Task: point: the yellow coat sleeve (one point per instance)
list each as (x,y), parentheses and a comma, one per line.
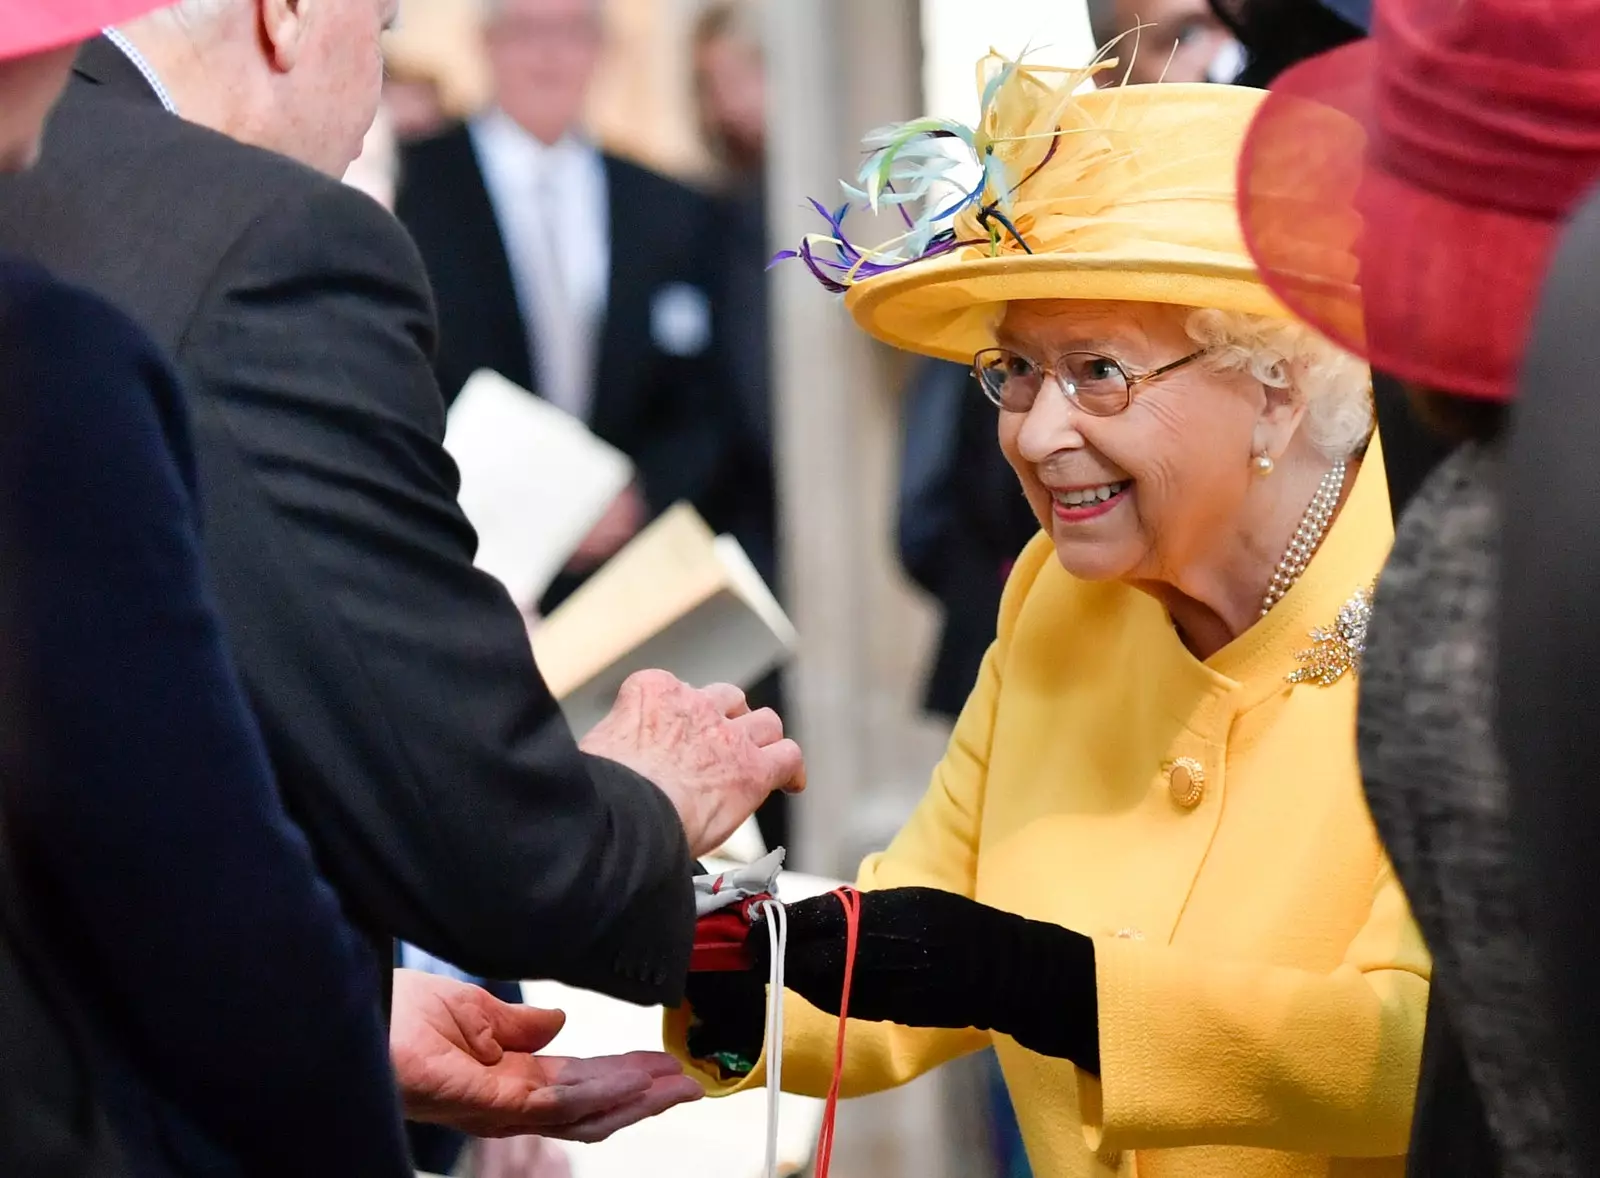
(1201,1051)
(937,848)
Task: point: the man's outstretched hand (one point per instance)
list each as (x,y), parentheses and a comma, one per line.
(467,1060)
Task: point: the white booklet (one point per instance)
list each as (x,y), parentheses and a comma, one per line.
(676,597)
(534,481)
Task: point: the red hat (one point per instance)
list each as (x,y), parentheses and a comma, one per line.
(33,26)
(1442,154)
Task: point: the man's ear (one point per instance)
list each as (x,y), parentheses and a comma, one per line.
(1281,415)
(283,31)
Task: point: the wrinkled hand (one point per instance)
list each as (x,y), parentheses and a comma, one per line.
(706,750)
(465,1059)
(621,523)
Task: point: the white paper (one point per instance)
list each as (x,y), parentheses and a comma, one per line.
(534,481)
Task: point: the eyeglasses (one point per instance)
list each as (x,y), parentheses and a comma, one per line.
(1096,384)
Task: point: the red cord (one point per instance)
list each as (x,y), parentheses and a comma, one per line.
(851,899)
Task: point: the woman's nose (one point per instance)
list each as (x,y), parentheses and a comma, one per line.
(1051,423)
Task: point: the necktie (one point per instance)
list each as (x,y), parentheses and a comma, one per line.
(560,327)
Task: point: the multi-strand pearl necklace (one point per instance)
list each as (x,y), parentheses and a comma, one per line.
(1307,537)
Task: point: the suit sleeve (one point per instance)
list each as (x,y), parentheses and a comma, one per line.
(937,848)
(1195,1051)
(144,814)
(413,733)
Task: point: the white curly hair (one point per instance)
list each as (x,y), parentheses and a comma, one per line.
(1335,386)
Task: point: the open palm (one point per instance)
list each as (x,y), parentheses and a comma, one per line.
(465,1059)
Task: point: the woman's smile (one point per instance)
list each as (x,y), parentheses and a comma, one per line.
(1075,504)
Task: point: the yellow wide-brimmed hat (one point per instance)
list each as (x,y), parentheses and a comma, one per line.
(1124,193)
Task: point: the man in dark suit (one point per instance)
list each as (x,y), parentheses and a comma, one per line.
(574,273)
(409,729)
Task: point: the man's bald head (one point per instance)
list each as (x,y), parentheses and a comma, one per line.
(299,77)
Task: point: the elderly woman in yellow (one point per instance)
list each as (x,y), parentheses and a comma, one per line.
(1144,870)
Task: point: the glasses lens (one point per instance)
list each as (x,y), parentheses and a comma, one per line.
(1097,383)
(1009,380)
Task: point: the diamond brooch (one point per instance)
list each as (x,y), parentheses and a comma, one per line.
(1338,648)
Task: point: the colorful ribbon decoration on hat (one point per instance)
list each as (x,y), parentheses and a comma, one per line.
(1026,115)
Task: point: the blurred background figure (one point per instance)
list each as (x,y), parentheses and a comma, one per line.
(730,90)
(572,272)
(963,521)
(413,98)
(434,69)
(730,94)
(1176,41)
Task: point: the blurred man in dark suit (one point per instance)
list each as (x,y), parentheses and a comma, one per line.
(576,274)
(408,727)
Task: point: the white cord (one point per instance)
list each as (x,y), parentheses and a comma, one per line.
(777,921)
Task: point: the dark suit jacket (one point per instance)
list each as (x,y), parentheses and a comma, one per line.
(234,1010)
(410,731)
(744,499)
(667,412)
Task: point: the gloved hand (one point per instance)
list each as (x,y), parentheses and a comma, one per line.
(931,958)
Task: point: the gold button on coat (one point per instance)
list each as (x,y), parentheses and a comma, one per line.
(1186,779)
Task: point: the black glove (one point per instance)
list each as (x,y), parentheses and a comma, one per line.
(931,958)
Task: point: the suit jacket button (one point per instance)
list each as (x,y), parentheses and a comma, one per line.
(1186,781)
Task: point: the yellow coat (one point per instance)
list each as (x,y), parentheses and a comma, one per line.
(1262,985)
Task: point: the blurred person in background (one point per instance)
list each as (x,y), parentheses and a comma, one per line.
(414,100)
(1166,41)
(730,93)
(432,71)
(1384,146)
(229,1013)
(1164,720)
(410,731)
(576,274)
(731,101)
(962,522)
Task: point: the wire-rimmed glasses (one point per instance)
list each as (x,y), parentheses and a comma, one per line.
(1096,383)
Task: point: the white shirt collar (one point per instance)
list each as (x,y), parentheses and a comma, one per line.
(508,141)
(571,173)
(140,63)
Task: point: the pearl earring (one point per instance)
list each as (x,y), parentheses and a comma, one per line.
(1264,464)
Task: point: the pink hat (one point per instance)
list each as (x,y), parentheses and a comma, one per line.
(33,26)
(1444,153)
